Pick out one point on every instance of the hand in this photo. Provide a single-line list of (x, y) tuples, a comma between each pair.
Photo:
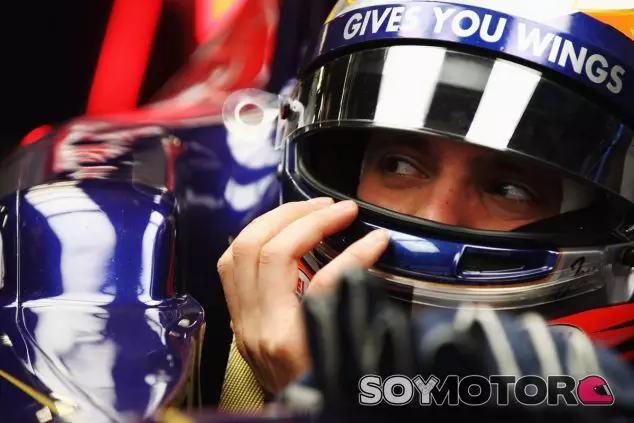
[(259, 275)]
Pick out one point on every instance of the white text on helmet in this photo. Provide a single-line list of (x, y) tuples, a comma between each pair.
[(489, 28)]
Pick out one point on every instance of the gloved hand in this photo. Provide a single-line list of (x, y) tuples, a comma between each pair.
[(358, 331)]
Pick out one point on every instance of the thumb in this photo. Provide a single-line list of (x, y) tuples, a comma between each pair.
[(363, 253)]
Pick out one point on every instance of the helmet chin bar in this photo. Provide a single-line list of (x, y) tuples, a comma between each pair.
[(581, 276)]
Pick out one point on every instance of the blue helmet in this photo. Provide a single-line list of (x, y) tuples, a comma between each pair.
[(528, 105)]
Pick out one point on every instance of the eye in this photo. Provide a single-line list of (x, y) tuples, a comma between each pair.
[(514, 192), (399, 165)]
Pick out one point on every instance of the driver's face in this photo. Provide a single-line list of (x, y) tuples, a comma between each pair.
[(456, 184)]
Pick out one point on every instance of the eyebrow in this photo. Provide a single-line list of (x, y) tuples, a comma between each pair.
[(491, 159), (488, 160)]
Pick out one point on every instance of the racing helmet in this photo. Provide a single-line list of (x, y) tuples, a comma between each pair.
[(493, 140)]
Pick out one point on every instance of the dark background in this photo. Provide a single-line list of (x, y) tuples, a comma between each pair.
[(50, 51)]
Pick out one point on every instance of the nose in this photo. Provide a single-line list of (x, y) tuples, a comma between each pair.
[(445, 200)]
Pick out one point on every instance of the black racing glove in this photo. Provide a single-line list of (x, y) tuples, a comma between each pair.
[(358, 331)]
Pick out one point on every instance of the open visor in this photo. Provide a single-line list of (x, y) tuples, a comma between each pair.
[(390, 125)]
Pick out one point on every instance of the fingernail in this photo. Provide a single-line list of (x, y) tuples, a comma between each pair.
[(378, 235), (344, 206), (321, 201)]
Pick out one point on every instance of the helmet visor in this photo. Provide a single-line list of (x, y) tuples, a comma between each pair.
[(464, 140)]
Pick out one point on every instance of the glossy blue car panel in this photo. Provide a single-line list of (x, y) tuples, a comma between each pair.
[(111, 228), (92, 305)]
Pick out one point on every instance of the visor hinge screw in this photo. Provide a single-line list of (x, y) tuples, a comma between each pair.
[(286, 111), (627, 256)]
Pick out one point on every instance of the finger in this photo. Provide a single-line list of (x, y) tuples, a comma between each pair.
[(278, 258), (361, 254), (247, 245), (245, 252), (236, 294), (225, 272), (266, 226)]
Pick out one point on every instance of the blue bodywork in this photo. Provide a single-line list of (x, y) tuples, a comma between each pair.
[(93, 313), (103, 257), (111, 230)]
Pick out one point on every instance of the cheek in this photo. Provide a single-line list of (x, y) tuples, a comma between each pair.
[(508, 216), (372, 191)]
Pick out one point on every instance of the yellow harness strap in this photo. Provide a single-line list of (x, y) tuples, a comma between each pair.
[(241, 391)]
